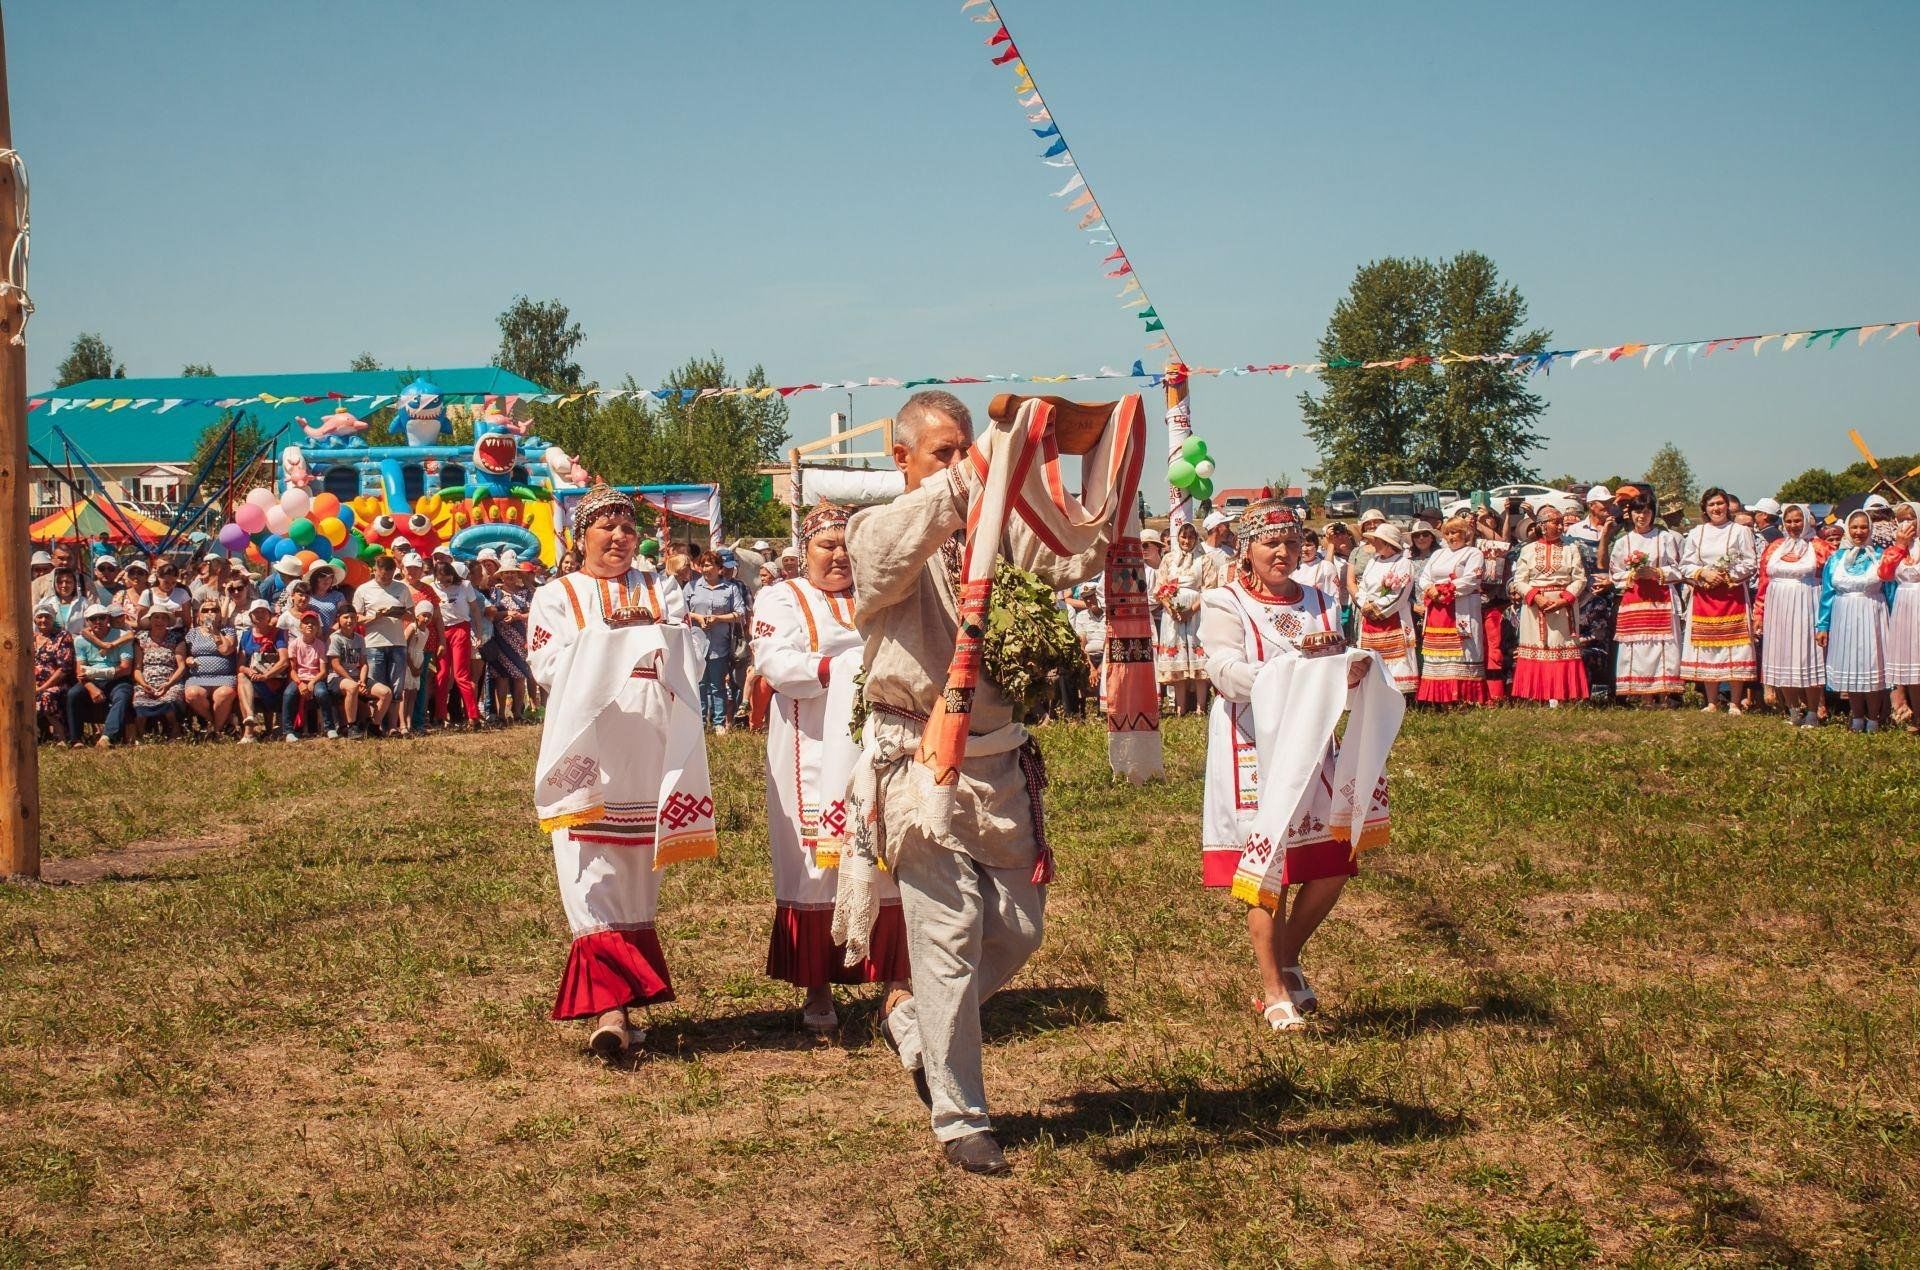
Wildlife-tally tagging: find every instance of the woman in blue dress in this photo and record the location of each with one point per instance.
(1856, 590)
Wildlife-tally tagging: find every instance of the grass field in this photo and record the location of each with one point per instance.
(1627, 987)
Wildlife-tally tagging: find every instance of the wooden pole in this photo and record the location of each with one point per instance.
(1179, 428)
(19, 756)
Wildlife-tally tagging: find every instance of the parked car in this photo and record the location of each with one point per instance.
(1399, 501)
(1342, 502)
(1495, 497)
(1449, 496)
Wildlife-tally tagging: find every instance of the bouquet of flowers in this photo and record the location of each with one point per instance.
(1443, 592)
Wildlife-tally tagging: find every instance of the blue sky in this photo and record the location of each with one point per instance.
(850, 190)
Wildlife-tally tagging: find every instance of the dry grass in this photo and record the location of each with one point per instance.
(1627, 987)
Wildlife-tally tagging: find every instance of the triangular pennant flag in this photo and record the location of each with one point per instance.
(1792, 338)
(1585, 353)
(1838, 331)
(1867, 331)
(141, 403)
(1134, 303)
(1069, 187)
(1100, 228)
(1155, 326)
(998, 37)
(1733, 345)
(1086, 197)
(1115, 254)
(1040, 116)
(1007, 56)
(1051, 130)
(970, 4)
(1055, 150)
(991, 15)
(1133, 284)
(1031, 102)
(1121, 272)
(1903, 326)
(1651, 350)
(1138, 368)
(1762, 342)
(1061, 163)
(98, 402)
(1025, 85)
(1693, 351)
(1093, 214)
(1148, 313)
(1162, 342)
(35, 403)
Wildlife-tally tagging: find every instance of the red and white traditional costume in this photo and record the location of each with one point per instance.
(803, 641)
(1719, 645)
(1647, 626)
(1547, 664)
(1788, 605)
(621, 781)
(1453, 661)
(1285, 803)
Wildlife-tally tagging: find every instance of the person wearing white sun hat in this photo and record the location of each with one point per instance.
(1384, 599)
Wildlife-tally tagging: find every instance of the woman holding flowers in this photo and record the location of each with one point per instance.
(1718, 559)
(1384, 600)
(1645, 565)
(1179, 658)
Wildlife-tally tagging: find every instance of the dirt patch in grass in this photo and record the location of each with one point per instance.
(135, 861)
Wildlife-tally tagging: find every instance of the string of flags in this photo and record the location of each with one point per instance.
(1525, 363)
(1092, 220)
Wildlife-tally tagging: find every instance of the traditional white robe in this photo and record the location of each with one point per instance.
(799, 631)
(1388, 585)
(1282, 756)
(1454, 665)
(1647, 627)
(622, 778)
(1789, 607)
(1719, 647)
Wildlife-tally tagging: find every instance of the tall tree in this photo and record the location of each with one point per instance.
(364, 361)
(1463, 424)
(1672, 476)
(538, 342)
(90, 358)
(197, 370)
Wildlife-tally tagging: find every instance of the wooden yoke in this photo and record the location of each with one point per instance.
(1077, 425)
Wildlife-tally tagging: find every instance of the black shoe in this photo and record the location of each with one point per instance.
(977, 1153)
(920, 1085)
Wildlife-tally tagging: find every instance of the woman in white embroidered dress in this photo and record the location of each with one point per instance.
(1719, 558)
(1246, 625)
(1548, 579)
(1645, 563)
(1903, 629)
(1785, 611)
(1384, 600)
(1453, 666)
(803, 637)
(609, 882)
(1179, 657)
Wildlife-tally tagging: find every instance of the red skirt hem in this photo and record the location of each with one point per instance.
(610, 969)
(1549, 681)
(802, 952)
(1217, 867)
(1306, 863)
(1451, 691)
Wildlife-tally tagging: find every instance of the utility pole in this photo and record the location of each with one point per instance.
(19, 756)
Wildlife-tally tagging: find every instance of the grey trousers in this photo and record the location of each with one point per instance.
(969, 930)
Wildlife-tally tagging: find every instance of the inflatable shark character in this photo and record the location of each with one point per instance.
(496, 448)
(338, 428)
(421, 414)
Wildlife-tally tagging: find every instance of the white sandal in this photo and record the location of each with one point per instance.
(1281, 1016)
(1304, 999)
(826, 1021)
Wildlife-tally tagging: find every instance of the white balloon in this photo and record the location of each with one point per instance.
(1203, 468)
(296, 501)
(261, 497)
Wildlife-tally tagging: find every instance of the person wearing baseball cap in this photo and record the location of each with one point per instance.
(1766, 520)
(1384, 598)
(103, 665)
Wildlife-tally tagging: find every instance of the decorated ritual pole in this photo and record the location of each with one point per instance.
(19, 761)
(1179, 428)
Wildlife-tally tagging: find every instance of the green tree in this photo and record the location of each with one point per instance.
(538, 342)
(1672, 476)
(1464, 424)
(1815, 485)
(196, 370)
(247, 438)
(364, 361)
(90, 358)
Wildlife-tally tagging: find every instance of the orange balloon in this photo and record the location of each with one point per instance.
(306, 558)
(254, 556)
(324, 505)
(357, 571)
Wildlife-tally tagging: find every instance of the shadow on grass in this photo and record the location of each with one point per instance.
(1159, 1125)
(1501, 1004)
(1024, 1012)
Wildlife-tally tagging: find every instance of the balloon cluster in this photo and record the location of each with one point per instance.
(307, 527)
(1192, 472)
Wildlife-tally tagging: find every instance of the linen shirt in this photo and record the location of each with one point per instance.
(380, 609)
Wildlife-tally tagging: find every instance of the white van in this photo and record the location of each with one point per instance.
(1400, 501)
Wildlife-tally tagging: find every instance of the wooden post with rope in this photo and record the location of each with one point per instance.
(1179, 428)
(19, 758)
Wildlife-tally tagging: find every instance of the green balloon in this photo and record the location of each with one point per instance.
(1193, 449)
(359, 548)
(1180, 474)
(301, 531)
(650, 548)
(1202, 488)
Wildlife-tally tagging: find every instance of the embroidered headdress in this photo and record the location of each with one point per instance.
(823, 517)
(1268, 518)
(601, 500)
